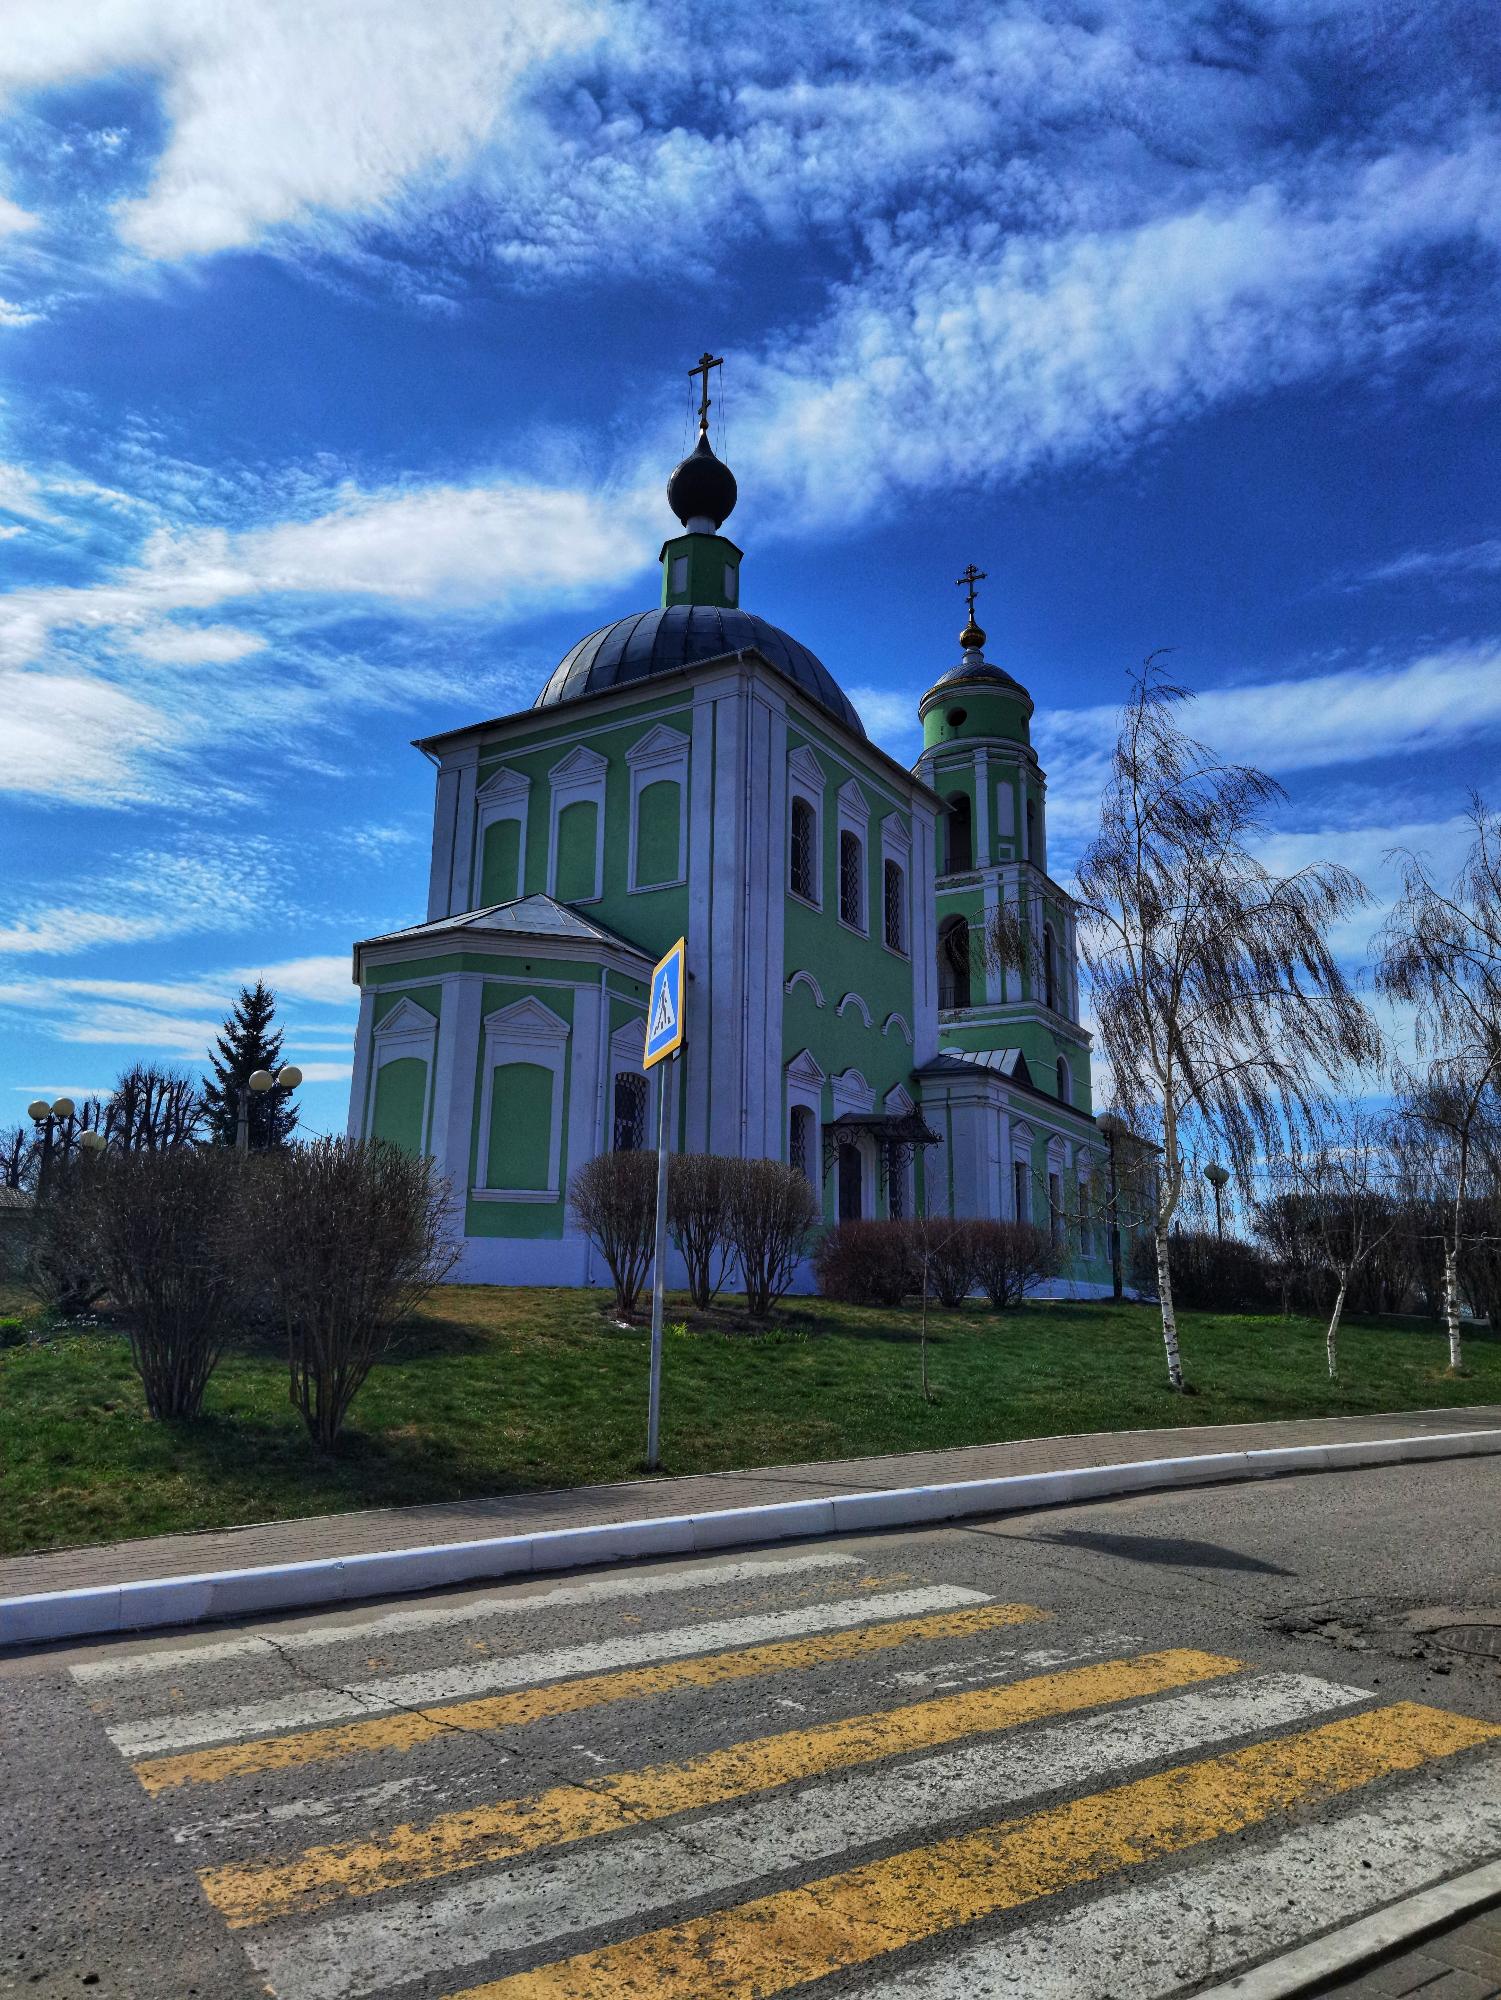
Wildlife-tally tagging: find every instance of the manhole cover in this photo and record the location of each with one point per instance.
(1482, 1640)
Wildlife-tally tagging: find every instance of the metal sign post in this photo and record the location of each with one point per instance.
(664, 1037)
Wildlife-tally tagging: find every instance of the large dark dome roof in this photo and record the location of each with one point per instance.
(661, 642)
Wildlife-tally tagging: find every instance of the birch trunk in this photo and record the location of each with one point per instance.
(1169, 1319)
(1451, 1306)
(1331, 1338)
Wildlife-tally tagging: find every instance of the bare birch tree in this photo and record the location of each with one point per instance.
(1452, 1121)
(1222, 1008)
(1441, 954)
(1345, 1181)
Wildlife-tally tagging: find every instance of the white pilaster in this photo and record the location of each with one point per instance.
(359, 1082)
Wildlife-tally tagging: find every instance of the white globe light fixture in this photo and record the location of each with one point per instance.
(93, 1142)
(1217, 1176)
(63, 1108)
(288, 1076)
(262, 1080)
(39, 1109)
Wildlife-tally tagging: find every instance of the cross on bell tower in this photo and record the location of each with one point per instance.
(972, 639)
(705, 362)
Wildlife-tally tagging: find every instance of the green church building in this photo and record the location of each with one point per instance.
(693, 771)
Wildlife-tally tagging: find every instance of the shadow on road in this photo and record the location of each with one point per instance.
(1172, 1551)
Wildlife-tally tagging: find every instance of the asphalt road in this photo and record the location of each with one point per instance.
(1116, 1750)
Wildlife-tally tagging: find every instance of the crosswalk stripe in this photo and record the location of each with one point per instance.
(1153, 1940)
(403, 1730)
(476, 1677)
(781, 1941)
(434, 1933)
(255, 1893)
(515, 1602)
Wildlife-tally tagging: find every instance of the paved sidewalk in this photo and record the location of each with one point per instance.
(378, 1529)
(1461, 1963)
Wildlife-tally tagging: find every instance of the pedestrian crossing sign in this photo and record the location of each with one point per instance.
(664, 1010)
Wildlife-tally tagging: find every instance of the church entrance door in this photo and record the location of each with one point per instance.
(850, 1178)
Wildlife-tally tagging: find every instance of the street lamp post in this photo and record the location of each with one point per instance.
(261, 1080)
(49, 1117)
(1217, 1176)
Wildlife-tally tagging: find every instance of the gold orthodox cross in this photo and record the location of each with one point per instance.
(967, 583)
(706, 361)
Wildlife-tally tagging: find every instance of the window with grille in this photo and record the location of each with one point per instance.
(800, 1147)
(851, 879)
(630, 1112)
(1019, 1191)
(953, 963)
(896, 900)
(802, 872)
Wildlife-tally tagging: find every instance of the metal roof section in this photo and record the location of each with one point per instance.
(526, 917)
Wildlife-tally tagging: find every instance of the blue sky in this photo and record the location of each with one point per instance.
(342, 359)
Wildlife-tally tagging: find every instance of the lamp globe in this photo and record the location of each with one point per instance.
(262, 1079)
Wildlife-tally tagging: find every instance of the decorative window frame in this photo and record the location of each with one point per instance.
(805, 1082)
(578, 780)
(802, 977)
(528, 1032)
(1022, 1137)
(505, 794)
(661, 756)
(1062, 1072)
(854, 1000)
(850, 1092)
(806, 781)
(853, 816)
(408, 1030)
(896, 845)
(900, 1023)
(627, 1046)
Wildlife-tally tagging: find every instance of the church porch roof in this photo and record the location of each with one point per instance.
(529, 919)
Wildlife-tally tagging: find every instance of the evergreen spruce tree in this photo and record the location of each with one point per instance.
(248, 1043)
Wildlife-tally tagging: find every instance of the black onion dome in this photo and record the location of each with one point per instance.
(703, 487)
(664, 641)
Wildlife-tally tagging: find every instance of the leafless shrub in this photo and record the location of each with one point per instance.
(772, 1210)
(62, 1257)
(950, 1258)
(868, 1263)
(614, 1197)
(349, 1237)
(698, 1215)
(165, 1227)
(1009, 1258)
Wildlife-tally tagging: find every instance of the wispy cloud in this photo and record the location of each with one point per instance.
(1473, 559)
(219, 884)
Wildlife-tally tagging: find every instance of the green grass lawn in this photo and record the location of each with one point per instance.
(496, 1390)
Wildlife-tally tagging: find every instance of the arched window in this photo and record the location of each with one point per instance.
(1049, 967)
(961, 840)
(1032, 830)
(630, 1112)
(800, 1140)
(895, 883)
(851, 879)
(802, 872)
(953, 963)
(1065, 1081)
(851, 1180)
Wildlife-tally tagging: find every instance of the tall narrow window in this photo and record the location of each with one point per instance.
(953, 963)
(1065, 1081)
(630, 1112)
(1032, 831)
(851, 879)
(1055, 1208)
(1020, 1192)
(802, 876)
(1049, 967)
(800, 1141)
(895, 884)
(961, 839)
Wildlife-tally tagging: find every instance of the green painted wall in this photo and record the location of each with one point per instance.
(400, 1095)
(701, 569)
(978, 713)
(500, 864)
(520, 1126)
(659, 833)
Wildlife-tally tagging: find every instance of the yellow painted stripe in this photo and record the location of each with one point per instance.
(409, 1727)
(256, 1893)
(782, 1941)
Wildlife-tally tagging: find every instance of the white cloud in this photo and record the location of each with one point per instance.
(326, 1072)
(217, 885)
(292, 106)
(1475, 558)
(14, 220)
(196, 645)
(13, 315)
(324, 977)
(889, 714)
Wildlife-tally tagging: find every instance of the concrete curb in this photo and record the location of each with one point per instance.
(190, 1600)
(1357, 1944)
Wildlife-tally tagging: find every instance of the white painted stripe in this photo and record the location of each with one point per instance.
(565, 1892)
(424, 1794)
(519, 1600)
(1215, 1914)
(444, 1684)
